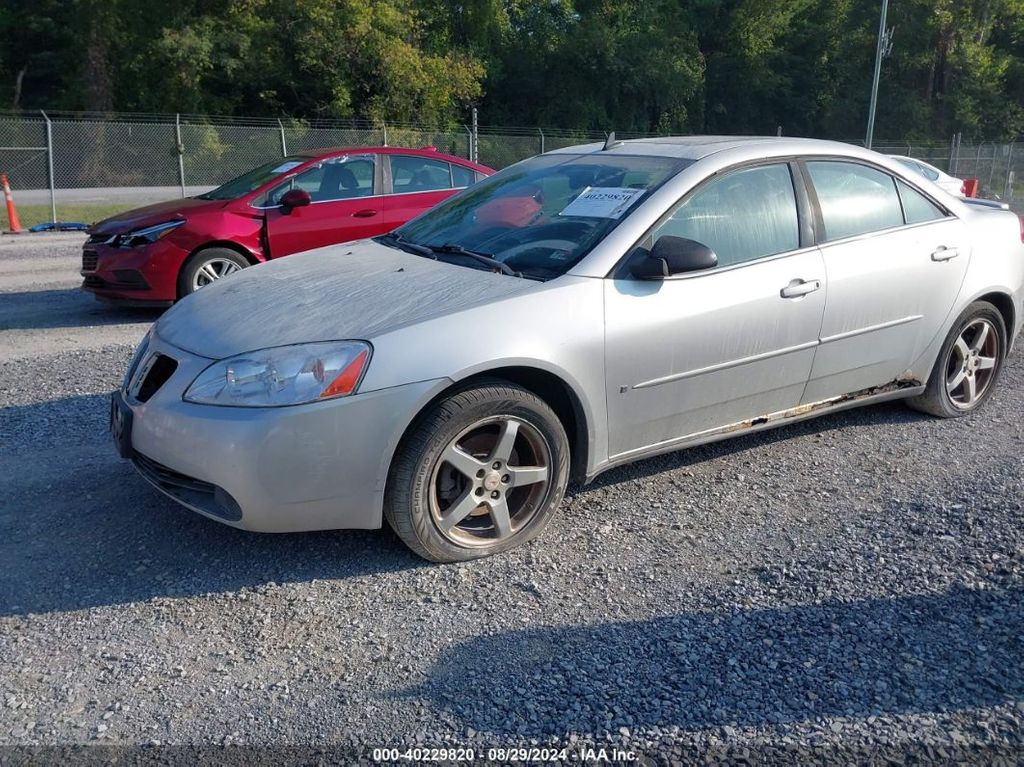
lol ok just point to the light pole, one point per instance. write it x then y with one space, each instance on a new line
884 46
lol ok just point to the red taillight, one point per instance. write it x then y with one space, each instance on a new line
963 189
1021 218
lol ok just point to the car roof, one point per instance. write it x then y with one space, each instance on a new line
699 147
317 154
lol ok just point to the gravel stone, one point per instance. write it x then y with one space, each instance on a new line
845 589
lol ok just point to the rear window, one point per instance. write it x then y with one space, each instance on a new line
462 177
916 207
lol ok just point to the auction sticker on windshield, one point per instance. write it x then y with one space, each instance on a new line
602 202
285 167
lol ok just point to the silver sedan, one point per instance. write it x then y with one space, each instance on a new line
577 311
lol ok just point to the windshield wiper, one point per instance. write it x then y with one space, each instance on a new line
481 258
397 241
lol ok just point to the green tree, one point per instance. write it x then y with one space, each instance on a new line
720 66
317 58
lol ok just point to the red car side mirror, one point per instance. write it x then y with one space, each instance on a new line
295 198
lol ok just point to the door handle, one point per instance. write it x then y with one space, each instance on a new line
942 253
365 213
798 288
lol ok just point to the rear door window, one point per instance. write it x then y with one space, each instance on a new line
419 174
854 198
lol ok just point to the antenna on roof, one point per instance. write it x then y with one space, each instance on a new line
610 142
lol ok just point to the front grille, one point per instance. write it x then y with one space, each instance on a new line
156 373
89 261
92 281
190 491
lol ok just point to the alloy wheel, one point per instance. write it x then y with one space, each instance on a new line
490 481
972 364
213 270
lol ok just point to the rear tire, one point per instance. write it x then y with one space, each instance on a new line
206 266
968 365
482 471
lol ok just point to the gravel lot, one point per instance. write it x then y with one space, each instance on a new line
847 586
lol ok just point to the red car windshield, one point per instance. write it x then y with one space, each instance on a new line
254 179
541 216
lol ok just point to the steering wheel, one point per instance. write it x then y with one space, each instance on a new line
559 230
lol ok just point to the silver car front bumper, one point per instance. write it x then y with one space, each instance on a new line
307 467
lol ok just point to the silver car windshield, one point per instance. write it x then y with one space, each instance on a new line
539 217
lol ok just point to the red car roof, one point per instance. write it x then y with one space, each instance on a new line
419 152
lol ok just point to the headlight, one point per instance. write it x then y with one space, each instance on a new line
148 234
283 375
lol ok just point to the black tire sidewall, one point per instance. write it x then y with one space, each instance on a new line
409 490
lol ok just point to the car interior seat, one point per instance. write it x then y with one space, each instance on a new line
338 183
422 181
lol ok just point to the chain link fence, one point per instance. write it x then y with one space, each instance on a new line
23 151
58 159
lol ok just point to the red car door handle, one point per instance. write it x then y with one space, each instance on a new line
367 213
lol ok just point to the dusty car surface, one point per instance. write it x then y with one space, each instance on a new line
576 311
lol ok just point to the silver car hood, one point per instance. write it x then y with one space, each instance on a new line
359 290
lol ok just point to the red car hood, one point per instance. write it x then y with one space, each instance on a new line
155 214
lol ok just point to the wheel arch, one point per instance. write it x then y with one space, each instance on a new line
993 294
250 257
552 388
1004 303
241 250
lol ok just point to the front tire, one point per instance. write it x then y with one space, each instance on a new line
481 472
207 266
968 364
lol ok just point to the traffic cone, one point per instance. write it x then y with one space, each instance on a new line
14 225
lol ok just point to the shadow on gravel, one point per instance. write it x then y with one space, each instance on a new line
924 654
79 528
70 308
870 415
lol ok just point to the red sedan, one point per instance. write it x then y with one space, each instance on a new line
163 252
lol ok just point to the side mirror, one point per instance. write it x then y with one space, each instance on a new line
673 255
295 198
